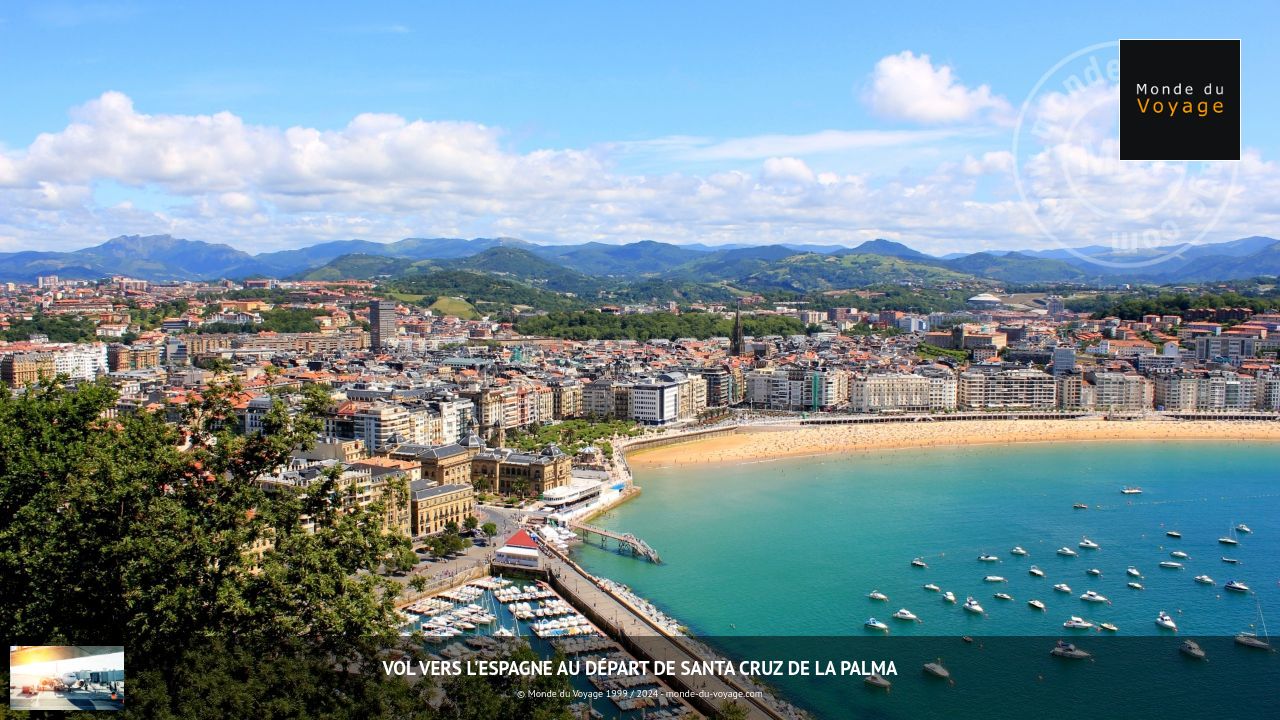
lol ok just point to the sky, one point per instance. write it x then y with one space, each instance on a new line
275 125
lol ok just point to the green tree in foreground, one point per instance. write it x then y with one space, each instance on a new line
128 531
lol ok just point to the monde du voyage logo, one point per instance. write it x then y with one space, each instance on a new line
1179 99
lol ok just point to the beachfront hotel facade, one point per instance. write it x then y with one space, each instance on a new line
994 388
930 389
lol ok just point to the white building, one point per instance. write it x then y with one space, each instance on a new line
994 389
656 401
81 362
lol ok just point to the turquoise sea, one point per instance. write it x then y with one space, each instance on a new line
792 547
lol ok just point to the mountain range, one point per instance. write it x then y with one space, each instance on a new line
597 266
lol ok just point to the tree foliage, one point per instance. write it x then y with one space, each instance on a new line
649 326
59 328
129 531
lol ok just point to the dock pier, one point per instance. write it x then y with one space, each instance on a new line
638 547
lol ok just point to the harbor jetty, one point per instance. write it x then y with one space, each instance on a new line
638 547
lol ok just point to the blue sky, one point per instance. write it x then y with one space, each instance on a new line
623 111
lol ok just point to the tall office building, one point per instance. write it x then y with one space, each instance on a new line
382 323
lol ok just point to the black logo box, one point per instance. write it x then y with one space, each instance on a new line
1160 77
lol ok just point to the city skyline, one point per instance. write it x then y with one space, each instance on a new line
428 124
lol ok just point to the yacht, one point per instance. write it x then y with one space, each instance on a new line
919 562
877 595
1236 586
1127 490
1135 586
1133 572
1191 649
937 670
1166 622
988 558
1077 623
1230 561
972 605
1018 550
1003 596
1204 580
1251 640
1179 554
1094 572
1091 596
932 588
1228 540
1173 534
905 614
1065 649
949 596
1088 544
1109 627
1036 604
1171 565
875 624
1036 571
877 680
1066 552
994 578
1080 506
1243 528
1062 588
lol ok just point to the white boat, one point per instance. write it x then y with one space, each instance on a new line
1179 554
1204 579
1003 596
1018 550
994 579
972 605
877 680
1109 627
1230 561
988 558
1094 572
1065 649
1250 639
931 587
877 595
1088 544
1173 534
1228 541
1036 571
949 596
905 614
1127 490
1243 528
1133 572
919 562
875 624
1062 588
1036 604
1135 586
1171 565
1077 623
1236 586
937 670
1166 622
1067 552
1091 596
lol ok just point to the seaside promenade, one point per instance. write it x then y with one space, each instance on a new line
641 636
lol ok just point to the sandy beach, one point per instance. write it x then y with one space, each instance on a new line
754 444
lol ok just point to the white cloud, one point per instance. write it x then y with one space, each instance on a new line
907 86
383 177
